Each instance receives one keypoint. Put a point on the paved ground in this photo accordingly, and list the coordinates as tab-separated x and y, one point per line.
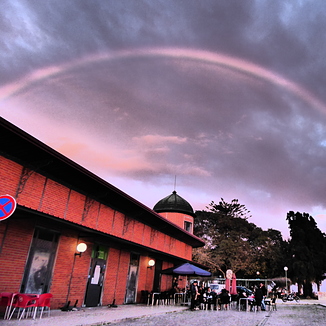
299	315
306	313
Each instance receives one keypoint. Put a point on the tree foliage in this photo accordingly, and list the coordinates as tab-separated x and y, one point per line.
307	251
232	242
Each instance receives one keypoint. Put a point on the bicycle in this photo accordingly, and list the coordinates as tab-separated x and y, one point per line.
290	297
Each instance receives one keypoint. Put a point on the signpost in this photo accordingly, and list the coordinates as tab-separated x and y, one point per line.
228	279
7	206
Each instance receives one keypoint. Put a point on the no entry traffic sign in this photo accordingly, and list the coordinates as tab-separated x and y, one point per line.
7	206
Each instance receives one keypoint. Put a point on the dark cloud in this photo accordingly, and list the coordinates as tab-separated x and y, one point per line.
250	125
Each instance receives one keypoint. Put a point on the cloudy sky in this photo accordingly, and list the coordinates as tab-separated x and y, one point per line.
228	96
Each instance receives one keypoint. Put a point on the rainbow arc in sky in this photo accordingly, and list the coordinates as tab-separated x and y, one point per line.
232	63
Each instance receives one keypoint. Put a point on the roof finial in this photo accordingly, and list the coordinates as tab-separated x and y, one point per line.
175	182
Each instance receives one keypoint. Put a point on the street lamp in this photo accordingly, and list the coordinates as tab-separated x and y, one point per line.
286	277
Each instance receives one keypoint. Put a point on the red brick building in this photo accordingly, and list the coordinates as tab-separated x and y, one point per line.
60	205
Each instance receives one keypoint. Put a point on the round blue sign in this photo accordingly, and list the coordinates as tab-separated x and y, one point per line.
7	206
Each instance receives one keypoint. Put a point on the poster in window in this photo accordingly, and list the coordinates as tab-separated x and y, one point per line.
38	272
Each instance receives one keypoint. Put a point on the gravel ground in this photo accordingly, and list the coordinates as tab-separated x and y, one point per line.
300	315
305	313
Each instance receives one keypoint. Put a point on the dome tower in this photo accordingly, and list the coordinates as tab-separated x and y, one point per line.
177	210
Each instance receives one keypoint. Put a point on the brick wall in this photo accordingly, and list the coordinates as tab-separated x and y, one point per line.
116	276
69	279
166	280
15	246
10	174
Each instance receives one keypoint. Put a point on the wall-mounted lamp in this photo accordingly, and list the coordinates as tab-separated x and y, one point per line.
81	247
151	263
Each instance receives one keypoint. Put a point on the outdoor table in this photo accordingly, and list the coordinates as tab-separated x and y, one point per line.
246	302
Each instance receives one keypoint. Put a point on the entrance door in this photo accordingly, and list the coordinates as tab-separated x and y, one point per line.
95	282
131	289
38	272
157	276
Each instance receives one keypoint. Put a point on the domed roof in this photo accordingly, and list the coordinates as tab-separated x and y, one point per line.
174	203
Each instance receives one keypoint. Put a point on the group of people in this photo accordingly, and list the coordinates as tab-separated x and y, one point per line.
257	299
205	298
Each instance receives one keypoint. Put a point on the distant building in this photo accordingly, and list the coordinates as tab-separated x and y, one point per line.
61	205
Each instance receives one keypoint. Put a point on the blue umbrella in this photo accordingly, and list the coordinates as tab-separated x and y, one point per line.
187	269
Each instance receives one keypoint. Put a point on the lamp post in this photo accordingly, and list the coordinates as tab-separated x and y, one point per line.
286	278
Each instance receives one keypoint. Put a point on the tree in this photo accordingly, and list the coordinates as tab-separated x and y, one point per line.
220	228
232	242
233	209
307	249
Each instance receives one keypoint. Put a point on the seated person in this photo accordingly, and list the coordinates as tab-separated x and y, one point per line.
211	298
242	294
252	303
175	285
224	299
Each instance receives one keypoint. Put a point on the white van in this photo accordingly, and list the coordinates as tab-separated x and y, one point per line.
216	287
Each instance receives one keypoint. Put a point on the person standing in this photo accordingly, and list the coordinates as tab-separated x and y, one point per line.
202	297
194	295
264	293
258	297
